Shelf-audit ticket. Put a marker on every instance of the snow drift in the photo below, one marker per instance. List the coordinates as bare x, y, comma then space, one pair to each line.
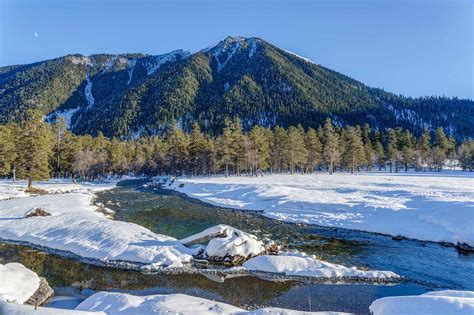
428, 206
431, 303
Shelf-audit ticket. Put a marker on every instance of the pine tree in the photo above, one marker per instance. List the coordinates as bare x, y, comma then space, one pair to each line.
354, 155
466, 155
7, 149
177, 154
392, 149
331, 150
237, 151
296, 146
34, 148
314, 148
407, 150
197, 150
260, 149
226, 147
379, 150
368, 148
278, 149
440, 149
424, 149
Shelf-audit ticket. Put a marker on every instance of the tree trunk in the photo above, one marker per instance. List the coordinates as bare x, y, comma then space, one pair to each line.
30, 182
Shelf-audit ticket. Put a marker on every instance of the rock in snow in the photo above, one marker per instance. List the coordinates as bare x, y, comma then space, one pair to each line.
300, 264
17, 283
431, 303
227, 244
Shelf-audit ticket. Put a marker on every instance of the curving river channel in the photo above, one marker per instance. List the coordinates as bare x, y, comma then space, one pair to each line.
426, 266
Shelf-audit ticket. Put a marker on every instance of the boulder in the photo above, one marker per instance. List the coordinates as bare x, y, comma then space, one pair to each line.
37, 212
41, 295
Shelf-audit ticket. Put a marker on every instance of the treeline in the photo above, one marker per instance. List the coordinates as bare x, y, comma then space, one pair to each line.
35, 150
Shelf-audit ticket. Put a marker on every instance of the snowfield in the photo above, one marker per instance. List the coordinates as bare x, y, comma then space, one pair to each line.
431, 303
425, 206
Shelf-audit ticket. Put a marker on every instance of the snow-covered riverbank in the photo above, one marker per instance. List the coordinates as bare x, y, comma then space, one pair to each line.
77, 227
74, 225
425, 206
19, 283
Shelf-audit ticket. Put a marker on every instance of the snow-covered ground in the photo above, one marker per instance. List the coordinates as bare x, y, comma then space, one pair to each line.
75, 226
299, 264
424, 206
10, 189
431, 303
119, 303
17, 283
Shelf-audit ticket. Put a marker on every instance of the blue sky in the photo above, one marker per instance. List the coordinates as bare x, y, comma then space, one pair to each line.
410, 47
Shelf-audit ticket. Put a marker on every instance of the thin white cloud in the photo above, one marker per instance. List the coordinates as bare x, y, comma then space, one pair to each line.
35, 34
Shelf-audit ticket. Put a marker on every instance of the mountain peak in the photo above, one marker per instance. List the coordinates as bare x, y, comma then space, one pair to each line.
227, 48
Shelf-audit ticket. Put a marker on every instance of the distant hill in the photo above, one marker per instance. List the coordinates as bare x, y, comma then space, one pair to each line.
129, 95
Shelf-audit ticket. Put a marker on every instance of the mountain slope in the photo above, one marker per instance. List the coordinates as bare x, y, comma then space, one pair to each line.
134, 94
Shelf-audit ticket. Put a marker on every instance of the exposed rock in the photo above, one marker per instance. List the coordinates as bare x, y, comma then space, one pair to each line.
108, 213
227, 245
397, 238
273, 248
43, 293
204, 236
37, 212
36, 191
464, 247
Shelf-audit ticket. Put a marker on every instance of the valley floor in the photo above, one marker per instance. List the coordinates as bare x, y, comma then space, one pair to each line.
426, 206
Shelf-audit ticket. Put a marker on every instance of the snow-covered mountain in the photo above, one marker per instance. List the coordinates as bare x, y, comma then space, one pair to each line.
133, 94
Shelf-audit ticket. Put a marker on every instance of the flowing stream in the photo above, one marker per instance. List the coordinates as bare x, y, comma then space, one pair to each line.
425, 265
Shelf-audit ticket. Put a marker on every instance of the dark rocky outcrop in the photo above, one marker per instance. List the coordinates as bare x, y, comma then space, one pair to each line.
41, 295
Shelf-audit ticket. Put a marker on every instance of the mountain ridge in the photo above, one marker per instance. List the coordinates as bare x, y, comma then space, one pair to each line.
128, 95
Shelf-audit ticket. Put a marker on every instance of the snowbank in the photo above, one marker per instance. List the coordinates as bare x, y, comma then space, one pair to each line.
16, 309
432, 303
119, 303
17, 283
425, 206
299, 264
75, 226
10, 189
